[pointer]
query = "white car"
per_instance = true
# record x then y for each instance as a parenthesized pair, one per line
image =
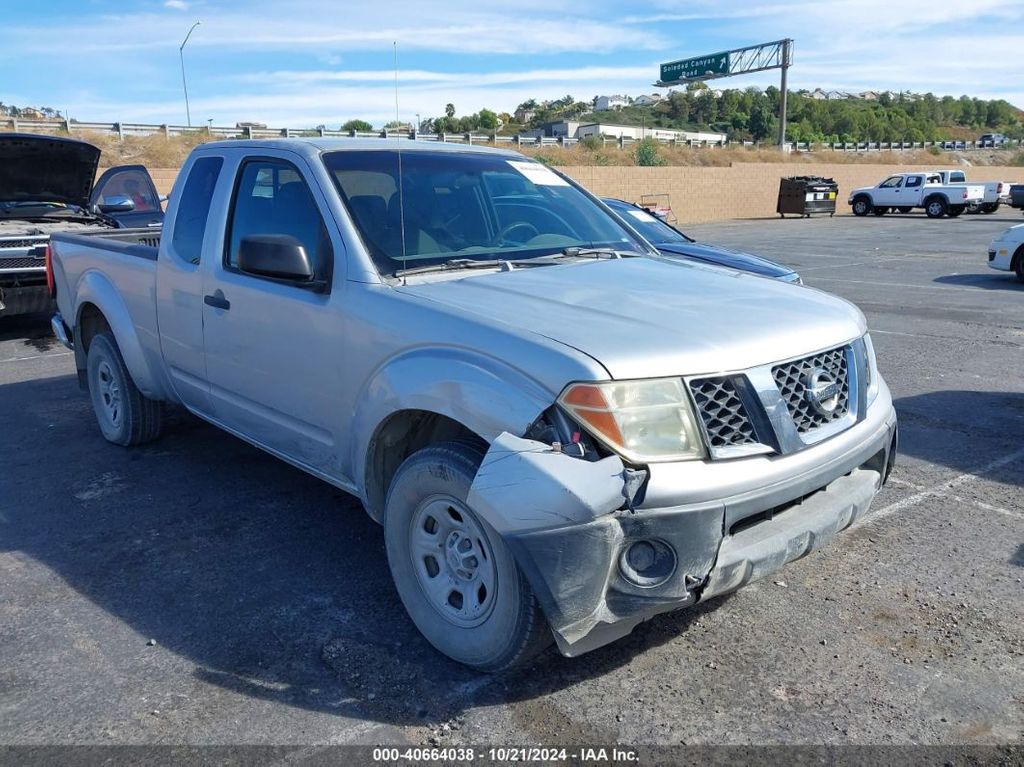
(1007, 251)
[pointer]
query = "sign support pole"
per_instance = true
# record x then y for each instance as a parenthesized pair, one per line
(782, 102)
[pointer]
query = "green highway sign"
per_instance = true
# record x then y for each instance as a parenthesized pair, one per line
(695, 68)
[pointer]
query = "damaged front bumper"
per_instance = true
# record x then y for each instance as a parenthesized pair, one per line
(568, 524)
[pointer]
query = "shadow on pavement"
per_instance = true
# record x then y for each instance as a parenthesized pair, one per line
(273, 583)
(964, 430)
(32, 329)
(991, 281)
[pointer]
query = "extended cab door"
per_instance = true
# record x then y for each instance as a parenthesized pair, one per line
(128, 182)
(189, 241)
(274, 346)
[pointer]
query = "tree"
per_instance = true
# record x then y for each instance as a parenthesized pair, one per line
(762, 122)
(487, 120)
(449, 110)
(360, 126)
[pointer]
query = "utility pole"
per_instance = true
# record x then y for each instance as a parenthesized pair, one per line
(184, 84)
(782, 102)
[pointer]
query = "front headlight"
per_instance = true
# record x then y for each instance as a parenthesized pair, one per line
(643, 421)
(872, 373)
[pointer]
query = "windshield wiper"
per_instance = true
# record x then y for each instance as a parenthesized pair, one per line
(577, 252)
(451, 264)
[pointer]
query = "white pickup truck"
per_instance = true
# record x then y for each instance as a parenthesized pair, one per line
(903, 192)
(996, 192)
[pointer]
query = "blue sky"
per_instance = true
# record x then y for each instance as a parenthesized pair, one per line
(300, 63)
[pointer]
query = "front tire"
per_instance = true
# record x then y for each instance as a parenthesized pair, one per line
(936, 207)
(454, 574)
(1018, 263)
(990, 207)
(125, 415)
(861, 206)
(974, 207)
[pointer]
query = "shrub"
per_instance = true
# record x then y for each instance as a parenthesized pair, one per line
(592, 143)
(934, 151)
(647, 153)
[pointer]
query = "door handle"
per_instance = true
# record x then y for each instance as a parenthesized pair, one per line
(217, 300)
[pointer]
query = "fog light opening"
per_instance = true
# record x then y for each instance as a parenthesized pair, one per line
(647, 563)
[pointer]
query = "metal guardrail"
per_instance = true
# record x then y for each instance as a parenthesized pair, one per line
(121, 130)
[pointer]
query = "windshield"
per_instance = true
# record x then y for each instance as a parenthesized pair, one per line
(652, 228)
(466, 207)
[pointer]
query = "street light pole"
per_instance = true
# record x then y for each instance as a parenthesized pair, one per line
(184, 85)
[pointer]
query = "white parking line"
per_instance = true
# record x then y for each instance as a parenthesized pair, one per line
(988, 506)
(938, 490)
(896, 284)
(38, 357)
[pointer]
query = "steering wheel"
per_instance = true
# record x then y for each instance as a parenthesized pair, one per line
(532, 231)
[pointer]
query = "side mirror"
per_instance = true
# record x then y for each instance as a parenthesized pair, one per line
(117, 203)
(279, 256)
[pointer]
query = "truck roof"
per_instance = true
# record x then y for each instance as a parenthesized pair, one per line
(314, 145)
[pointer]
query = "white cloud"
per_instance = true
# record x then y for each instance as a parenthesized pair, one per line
(178, 5)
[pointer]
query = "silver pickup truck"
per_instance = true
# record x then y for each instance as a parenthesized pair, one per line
(562, 432)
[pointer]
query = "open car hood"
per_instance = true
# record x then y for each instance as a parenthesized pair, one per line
(46, 169)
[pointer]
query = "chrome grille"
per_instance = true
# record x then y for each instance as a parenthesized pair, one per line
(22, 262)
(792, 379)
(23, 242)
(721, 409)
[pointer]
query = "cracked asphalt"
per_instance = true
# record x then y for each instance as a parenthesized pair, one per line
(198, 591)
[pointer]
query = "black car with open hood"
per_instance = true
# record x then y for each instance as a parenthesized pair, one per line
(46, 169)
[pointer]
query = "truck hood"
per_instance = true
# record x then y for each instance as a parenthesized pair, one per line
(47, 169)
(646, 317)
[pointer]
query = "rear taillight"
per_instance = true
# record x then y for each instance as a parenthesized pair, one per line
(965, 194)
(999, 189)
(51, 283)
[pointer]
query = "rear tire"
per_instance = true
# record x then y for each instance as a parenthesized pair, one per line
(457, 579)
(124, 414)
(861, 206)
(935, 207)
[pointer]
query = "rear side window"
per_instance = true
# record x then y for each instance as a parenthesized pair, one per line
(913, 181)
(957, 178)
(194, 209)
(273, 198)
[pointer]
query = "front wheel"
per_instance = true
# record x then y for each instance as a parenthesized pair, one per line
(973, 207)
(1018, 268)
(454, 574)
(935, 207)
(990, 207)
(861, 206)
(124, 414)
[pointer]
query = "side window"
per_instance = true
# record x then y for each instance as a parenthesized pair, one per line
(134, 184)
(271, 197)
(913, 181)
(892, 182)
(194, 209)
(957, 178)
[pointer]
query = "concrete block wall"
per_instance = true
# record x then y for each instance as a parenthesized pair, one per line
(700, 195)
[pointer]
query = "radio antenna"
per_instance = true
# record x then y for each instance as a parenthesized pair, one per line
(401, 193)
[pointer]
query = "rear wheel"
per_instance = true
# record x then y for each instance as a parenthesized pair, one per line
(861, 206)
(454, 574)
(935, 207)
(125, 415)
(904, 209)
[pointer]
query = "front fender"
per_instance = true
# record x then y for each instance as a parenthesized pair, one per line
(95, 288)
(481, 392)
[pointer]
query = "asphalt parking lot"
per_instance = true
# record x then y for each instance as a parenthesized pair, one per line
(198, 591)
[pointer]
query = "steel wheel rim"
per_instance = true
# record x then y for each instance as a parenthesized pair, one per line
(110, 393)
(453, 561)
(860, 206)
(935, 208)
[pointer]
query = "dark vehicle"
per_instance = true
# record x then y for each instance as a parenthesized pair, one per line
(673, 243)
(46, 186)
(992, 139)
(1017, 196)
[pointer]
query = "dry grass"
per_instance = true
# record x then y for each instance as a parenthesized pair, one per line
(170, 152)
